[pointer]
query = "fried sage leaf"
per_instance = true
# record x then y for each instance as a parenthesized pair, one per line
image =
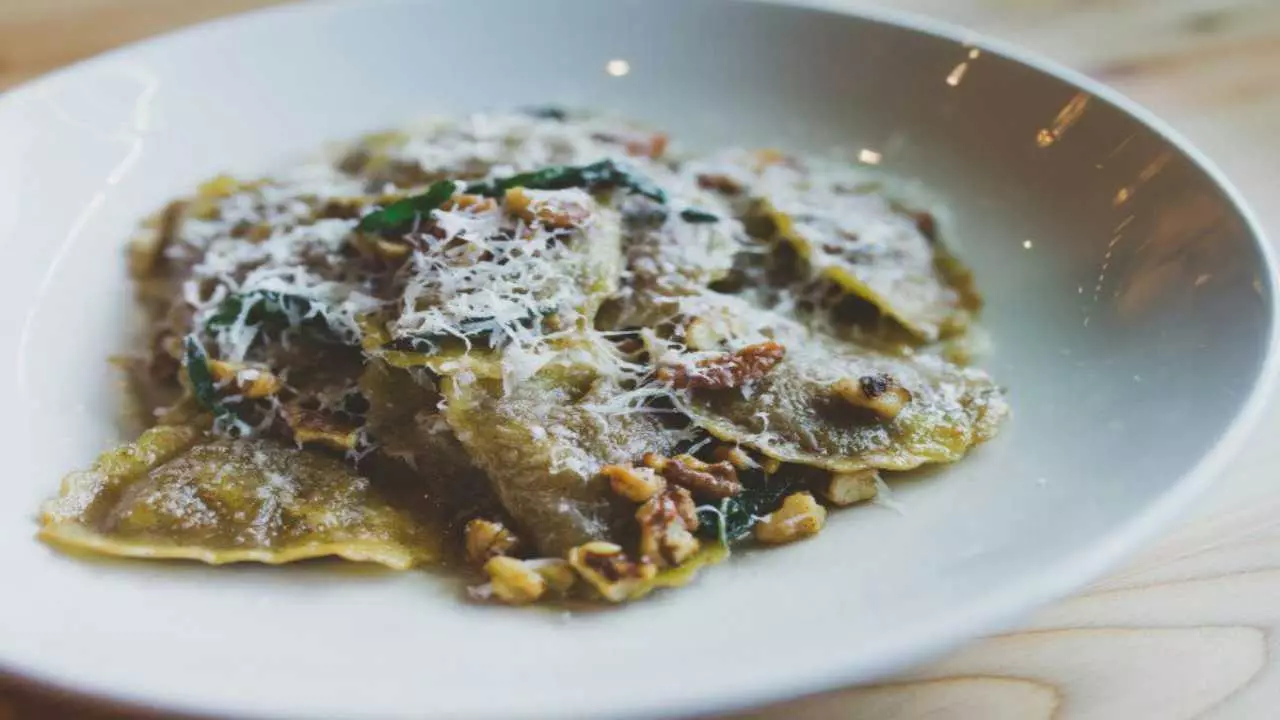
(733, 517)
(401, 214)
(602, 174)
(175, 493)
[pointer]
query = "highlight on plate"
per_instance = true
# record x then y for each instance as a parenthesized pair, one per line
(548, 347)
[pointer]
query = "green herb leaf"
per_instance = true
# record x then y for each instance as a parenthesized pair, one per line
(264, 306)
(400, 215)
(694, 215)
(276, 310)
(606, 173)
(733, 518)
(197, 361)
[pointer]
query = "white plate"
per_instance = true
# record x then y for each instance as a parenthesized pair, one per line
(1129, 299)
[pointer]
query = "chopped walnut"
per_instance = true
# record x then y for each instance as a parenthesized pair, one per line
(391, 250)
(700, 336)
(473, 203)
(881, 394)
(768, 156)
(926, 224)
(666, 524)
(636, 484)
(531, 205)
(608, 569)
(558, 574)
(314, 426)
(719, 183)
(735, 456)
(727, 370)
(799, 517)
(651, 146)
(852, 487)
(513, 581)
(252, 382)
(712, 481)
(485, 539)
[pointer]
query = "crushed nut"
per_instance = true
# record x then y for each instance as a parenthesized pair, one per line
(636, 484)
(251, 382)
(719, 183)
(735, 456)
(711, 481)
(926, 224)
(701, 334)
(485, 539)
(513, 581)
(390, 250)
(558, 574)
(666, 524)
(651, 146)
(727, 370)
(799, 517)
(769, 156)
(474, 203)
(531, 205)
(615, 576)
(880, 393)
(637, 145)
(314, 426)
(852, 487)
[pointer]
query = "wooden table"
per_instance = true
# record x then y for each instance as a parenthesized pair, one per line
(1185, 630)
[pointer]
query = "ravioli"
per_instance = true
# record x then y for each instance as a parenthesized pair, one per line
(175, 493)
(552, 347)
(488, 143)
(848, 231)
(544, 442)
(794, 412)
(405, 422)
(795, 415)
(492, 272)
(672, 251)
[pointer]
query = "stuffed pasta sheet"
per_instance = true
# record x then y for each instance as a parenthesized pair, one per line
(546, 347)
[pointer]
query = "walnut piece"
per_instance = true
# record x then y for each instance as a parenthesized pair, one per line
(719, 183)
(314, 426)
(666, 524)
(544, 207)
(880, 393)
(556, 573)
(247, 380)
(799, 517)
(514, 582)
(636, 484)
(608, 569)
(726, 370)
(709, 481)
(486, 539)
(852, 487)
(735, 456)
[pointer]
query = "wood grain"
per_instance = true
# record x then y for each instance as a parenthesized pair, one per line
(1188, 629)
